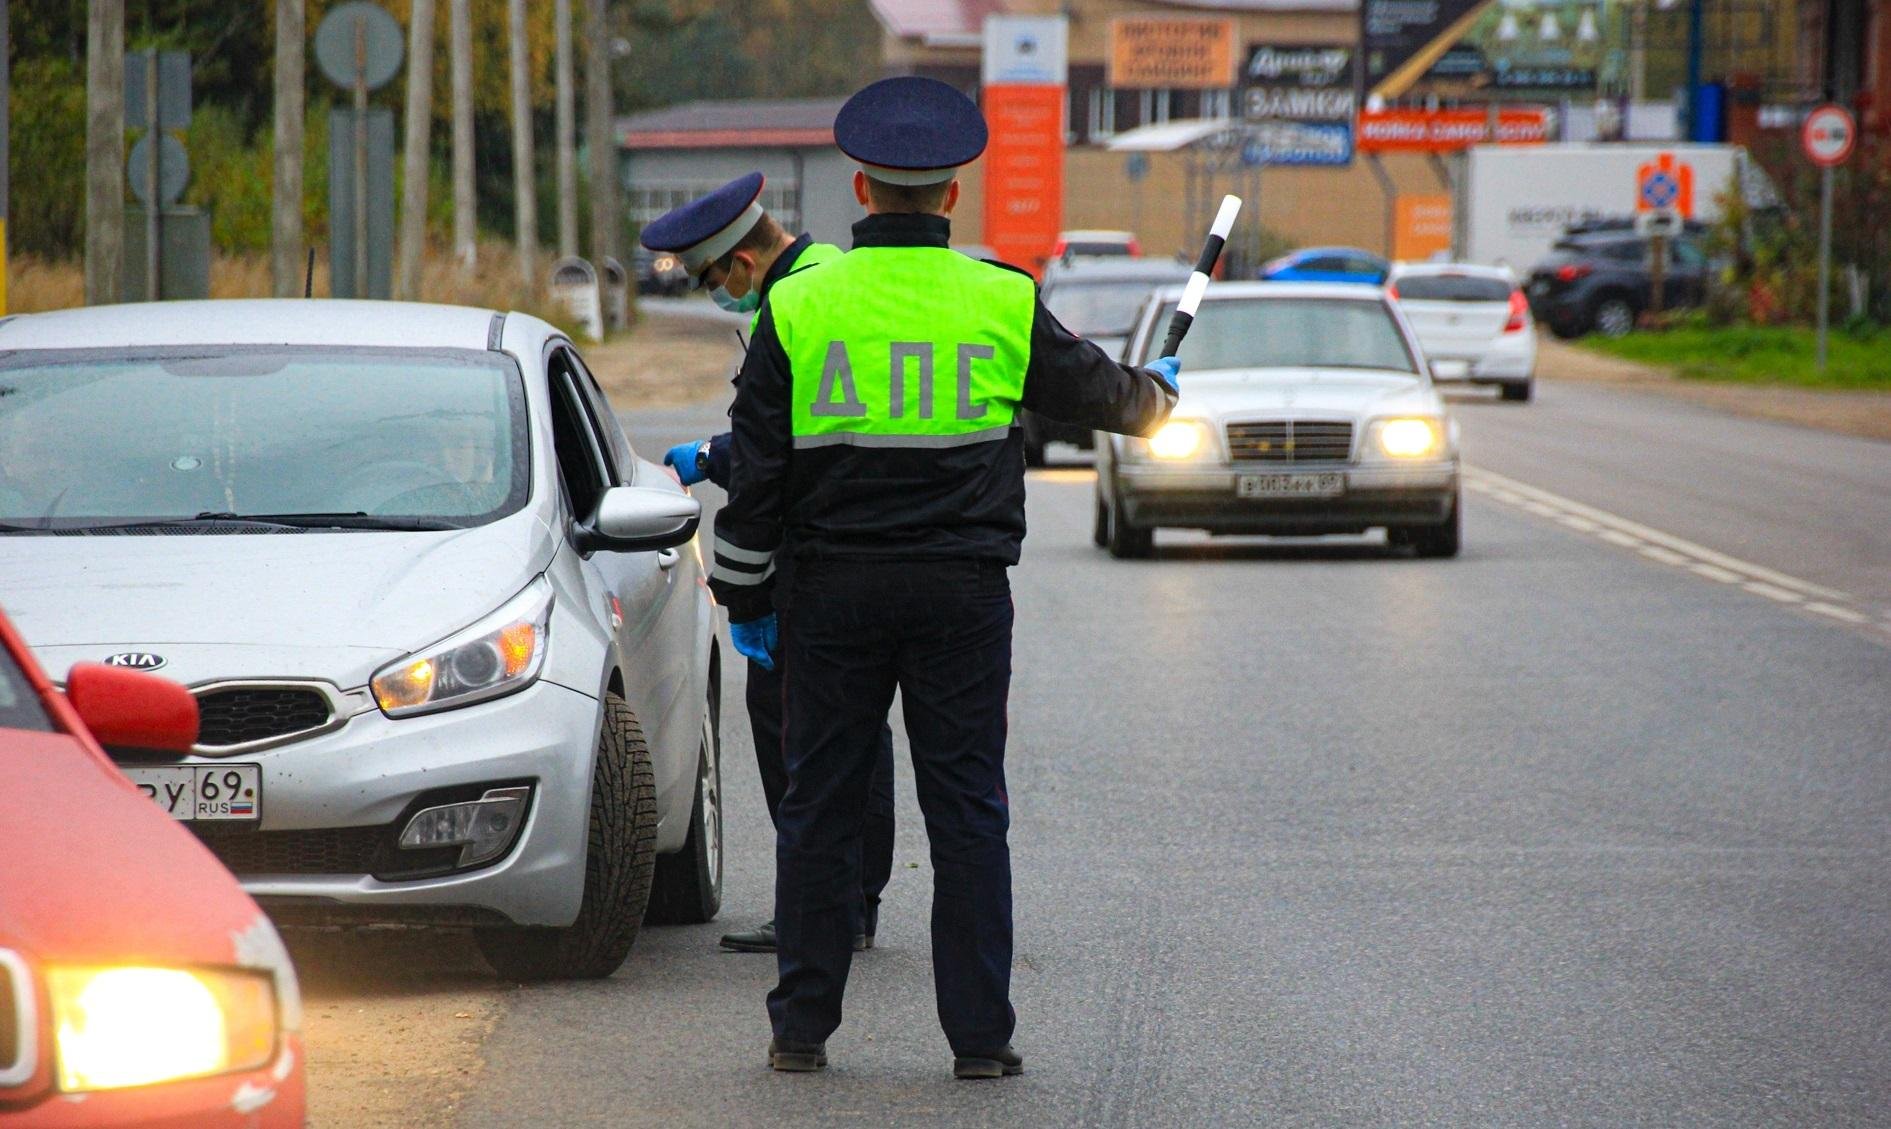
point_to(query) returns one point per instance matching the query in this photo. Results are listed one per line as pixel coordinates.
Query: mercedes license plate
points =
(1290, 485)
(202, 792)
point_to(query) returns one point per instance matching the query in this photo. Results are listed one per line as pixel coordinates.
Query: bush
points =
(47, 214)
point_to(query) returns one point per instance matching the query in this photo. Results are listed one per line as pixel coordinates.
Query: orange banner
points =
(1422, 227)
(1024, 172)
(1442, 131)
(1158, 52)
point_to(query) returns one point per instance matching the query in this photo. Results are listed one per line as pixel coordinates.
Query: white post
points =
(1825, 258)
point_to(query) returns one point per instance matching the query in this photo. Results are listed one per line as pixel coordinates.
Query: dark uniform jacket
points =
(899, 503)
(716, 462)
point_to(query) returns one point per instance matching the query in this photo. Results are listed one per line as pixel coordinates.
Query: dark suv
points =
(1598, 280)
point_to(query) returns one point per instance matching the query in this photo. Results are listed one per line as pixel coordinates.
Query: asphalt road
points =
(1576, 829)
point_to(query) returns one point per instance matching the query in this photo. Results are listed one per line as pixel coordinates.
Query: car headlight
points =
(1409, 438)
(498, 655)
(1178, 439)
(116, 1027)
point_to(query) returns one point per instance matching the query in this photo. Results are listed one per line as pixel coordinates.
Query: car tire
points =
(687, 889)
(1613, 316)
(1125, 540)
(1437, 541)
(1566, 330)
(620, 855)
(1519, 391)
(1100, 529)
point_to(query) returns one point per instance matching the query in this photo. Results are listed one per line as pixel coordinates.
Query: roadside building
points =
(1845, 56)
(678, 153)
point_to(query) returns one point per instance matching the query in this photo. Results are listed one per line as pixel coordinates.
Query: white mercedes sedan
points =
(1306, 409)
(448, 634)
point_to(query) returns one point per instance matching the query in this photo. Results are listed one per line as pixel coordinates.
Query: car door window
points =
(605, 420)
(581, 462)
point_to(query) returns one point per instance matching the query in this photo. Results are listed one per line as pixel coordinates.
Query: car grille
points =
(247, 852)
(1291, 441)
(239, 715)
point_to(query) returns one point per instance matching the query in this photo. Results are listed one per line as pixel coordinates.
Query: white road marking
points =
(1657, 545)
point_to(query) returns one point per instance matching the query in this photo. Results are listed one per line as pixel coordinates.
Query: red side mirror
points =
(132, 709)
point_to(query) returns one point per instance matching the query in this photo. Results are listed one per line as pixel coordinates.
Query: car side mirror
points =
(639, 519)
(132, 709)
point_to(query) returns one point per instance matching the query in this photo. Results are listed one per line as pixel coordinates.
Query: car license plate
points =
(1450, 368)
(1290, 485)
(202, 792)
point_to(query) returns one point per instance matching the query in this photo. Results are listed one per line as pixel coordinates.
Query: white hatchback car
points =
(1306, 409)
(448, 634)
(1473, 322)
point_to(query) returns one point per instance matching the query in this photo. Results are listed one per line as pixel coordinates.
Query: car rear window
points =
(1453, 288)
(1088, 248)
(19, 706)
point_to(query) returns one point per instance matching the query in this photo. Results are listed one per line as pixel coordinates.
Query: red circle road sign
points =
(1828, 135)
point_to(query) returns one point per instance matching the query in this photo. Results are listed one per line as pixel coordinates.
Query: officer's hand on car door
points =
(1170, 370)
(757, 640)
(683, 459)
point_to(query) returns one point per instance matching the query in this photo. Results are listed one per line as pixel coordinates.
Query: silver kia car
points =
(448, 634)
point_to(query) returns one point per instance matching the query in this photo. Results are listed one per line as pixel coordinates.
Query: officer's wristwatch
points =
(702, 458)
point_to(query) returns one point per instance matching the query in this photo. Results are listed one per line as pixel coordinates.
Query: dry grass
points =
(35, 284)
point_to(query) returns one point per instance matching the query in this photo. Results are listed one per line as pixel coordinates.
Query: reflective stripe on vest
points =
(813, 255)
(904, 347)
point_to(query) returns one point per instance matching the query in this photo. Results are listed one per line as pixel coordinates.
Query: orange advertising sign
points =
(1024, 172)
(1176, 53)
(1421, 226)
(1443, 131)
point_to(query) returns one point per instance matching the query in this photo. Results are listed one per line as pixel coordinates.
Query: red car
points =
(139, 985)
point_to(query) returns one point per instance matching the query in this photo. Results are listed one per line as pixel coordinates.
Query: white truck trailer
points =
(1512, 202)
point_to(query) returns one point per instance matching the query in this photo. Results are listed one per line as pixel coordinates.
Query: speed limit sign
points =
(1828, 135)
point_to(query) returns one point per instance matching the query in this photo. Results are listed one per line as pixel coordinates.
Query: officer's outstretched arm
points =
(1074, 381)
(748, 528)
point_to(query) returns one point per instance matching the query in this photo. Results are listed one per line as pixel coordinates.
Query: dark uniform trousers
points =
(852, 632)
(876, 848)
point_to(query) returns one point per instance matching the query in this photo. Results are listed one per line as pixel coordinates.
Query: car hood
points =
(1357, 393)
(96, 874)
(320, 605)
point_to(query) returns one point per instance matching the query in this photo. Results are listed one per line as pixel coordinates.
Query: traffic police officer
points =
(876, 503)
(725, 240)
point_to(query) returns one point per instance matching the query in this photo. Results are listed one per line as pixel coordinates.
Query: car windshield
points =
(19, 706)
(1098, 309)
(1290, 333)
(290, 438)
(1453, 288)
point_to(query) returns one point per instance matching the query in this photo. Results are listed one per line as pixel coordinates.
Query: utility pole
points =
(524, 180)
(104, 151)
(565, 79)
(285, 236)
(597, 135)
(6, 84)
(414, 163)
(1695, 48)
(465, 207)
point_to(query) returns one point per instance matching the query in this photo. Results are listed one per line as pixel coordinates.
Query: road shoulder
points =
(1864, 414)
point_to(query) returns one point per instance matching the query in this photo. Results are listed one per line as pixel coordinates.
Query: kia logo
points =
(136, 660)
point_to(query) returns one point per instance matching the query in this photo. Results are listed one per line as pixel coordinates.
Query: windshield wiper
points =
(354, 520)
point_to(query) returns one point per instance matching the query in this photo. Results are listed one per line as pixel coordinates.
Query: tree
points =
(524, 183)
(420, 34)
(566, 126)
(465, 216)
(104, 151)
(598, 134)
(285, 242)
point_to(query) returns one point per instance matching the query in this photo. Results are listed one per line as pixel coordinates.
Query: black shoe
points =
(760, 939)
(796, 1058)
(863, 942)
(993, 1064)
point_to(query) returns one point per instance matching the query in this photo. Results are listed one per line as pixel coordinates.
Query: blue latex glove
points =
(1170, 370)
(682, 459)
(757, 640)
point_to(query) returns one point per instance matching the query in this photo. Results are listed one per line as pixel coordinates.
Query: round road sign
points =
(1828, 135)
(335, 44)
(173, 169)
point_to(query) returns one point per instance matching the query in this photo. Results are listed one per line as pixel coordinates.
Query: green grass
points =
(1760, 355)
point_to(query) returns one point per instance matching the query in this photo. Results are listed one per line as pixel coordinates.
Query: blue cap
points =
(910, 130)
(703, 230)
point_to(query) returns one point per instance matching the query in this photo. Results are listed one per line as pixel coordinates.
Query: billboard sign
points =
(1171, 52)
(1026, 50)
(1445, 131)
(1297, 143)
(1402, 39)
(1298, 83)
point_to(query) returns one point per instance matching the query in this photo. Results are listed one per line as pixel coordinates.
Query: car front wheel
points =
(1127, 541)
(620, 855)
(688, 887)
(1435, 541)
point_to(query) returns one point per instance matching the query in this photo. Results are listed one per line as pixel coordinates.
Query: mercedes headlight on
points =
(1179, 439)
(498, 655)
(117, 1027)
(1413, 438)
